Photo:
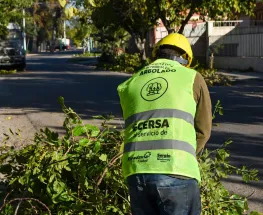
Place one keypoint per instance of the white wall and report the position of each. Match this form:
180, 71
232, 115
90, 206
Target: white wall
160, 32
243, 46
239, 63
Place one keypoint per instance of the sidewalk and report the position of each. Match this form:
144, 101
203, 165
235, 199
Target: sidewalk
239, 76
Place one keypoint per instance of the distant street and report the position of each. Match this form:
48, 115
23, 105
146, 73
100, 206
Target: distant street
28, 100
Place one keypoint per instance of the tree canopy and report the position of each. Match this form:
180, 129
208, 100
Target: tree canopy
137, 17
11, 10
117, 17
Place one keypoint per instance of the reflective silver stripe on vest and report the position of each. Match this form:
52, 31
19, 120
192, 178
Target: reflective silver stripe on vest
160, 113
159, 144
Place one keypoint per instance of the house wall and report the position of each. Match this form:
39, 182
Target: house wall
194, 31
236, 46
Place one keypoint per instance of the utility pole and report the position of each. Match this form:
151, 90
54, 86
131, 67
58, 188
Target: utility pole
65, 40
24, 30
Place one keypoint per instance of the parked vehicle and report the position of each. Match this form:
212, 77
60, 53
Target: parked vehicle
12, 54
60, 43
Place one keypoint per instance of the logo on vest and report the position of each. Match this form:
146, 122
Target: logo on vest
140, 158
154, 89
163, 157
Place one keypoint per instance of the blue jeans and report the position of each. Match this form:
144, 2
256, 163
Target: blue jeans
155, 194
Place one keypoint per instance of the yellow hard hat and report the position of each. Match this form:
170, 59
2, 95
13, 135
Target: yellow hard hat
177, 40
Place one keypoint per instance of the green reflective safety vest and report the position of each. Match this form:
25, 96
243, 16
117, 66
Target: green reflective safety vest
159, 108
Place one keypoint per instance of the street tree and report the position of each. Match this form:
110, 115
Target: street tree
44, 21
110, 33
11, 11
179, 12
135, 17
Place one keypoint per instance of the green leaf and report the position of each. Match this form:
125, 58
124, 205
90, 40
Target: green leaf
67, 168
30, 190
122, 147
98, 117
70, 12
84, 142
228, 142
103, 157
58, 186
78, 130
12, 181
93, 129
62, 3
97, 147
92, 2
52, 177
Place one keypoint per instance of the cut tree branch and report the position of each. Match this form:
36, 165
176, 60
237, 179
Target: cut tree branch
110, 164
26, 199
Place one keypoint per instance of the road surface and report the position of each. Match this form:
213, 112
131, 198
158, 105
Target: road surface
28, 101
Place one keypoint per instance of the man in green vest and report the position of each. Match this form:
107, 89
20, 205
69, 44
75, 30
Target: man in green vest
167, 112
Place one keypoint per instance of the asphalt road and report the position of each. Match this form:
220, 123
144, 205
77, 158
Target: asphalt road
28, 101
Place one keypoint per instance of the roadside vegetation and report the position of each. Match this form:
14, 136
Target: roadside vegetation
7, 72
87, 54
80, 172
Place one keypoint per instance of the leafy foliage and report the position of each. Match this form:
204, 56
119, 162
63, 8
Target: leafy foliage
213, 78
178, 12
129, 63
11, 10
216, 199
85, 55
134, 17
6, 72
137, 17
80, 173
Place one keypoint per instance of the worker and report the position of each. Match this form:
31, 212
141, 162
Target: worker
168, 119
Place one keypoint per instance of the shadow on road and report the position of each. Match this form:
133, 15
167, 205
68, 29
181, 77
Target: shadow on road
87, 91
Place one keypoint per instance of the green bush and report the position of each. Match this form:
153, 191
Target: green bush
211, 76
129, 63
80, 173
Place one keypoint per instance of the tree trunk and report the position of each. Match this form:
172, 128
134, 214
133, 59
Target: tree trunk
140, 43
27, 44
211, 61
184, 22
34, 45
170, 30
